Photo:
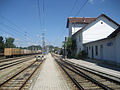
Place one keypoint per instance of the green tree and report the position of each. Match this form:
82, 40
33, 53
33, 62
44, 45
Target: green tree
53, 48
34, 47
9, 43
70, 46
1, 44
81, 55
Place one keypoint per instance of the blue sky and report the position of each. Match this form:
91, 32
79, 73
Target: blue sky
20, 19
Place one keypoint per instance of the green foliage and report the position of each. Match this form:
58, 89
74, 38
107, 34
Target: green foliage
1, 44
35, 47
69, 43
70, 46
54, 49
81, 55
61, 52
9, 43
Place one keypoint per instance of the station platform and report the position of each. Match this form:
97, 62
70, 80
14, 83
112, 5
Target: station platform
102, 68
50, 77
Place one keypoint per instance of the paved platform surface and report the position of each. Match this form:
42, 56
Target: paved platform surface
50, 77
96, 67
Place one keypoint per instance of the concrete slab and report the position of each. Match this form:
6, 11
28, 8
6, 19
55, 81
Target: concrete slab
50, 77
96, 67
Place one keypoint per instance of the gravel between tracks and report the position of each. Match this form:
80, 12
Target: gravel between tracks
5, 74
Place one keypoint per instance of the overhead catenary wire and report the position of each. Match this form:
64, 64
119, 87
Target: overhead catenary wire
81, 8
11, 28
60, 36
15, 34
15, 31
12, 35
44, 15
43, 31
73, 6
39, 13
19, 29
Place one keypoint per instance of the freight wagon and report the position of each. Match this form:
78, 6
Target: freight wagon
10, 52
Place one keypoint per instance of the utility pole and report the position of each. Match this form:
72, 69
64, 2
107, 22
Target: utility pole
43, 43
65, 48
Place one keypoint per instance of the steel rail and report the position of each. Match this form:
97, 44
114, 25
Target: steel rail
101, 74
12, 59
13, 64
104, 76
88, 70
73, 80
15, 75
8, 59
88, 78
30, 76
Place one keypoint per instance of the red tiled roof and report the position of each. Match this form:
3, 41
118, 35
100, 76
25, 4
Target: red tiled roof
79, 20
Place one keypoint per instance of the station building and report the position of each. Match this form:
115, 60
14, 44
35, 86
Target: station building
99, 37
105, 49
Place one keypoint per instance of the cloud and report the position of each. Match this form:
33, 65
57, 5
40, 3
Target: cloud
92, 1
7, 35
17, 39
38, 35
28, 39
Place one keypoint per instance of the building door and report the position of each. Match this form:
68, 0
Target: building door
92, 52
101, 51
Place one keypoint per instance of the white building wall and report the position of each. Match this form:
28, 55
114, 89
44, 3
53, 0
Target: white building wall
79, 44
98, 29
73, 28
118, 47
108, 52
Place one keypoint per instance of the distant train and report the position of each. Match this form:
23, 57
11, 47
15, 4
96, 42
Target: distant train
10, 52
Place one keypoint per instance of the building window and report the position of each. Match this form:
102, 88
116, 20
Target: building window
96, 49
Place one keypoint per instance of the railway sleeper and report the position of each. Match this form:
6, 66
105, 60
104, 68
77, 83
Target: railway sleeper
87, 77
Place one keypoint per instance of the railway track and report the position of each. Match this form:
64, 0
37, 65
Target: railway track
85, 79
11, 59
19, 80
13, 63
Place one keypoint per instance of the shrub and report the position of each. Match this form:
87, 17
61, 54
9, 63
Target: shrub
81, 55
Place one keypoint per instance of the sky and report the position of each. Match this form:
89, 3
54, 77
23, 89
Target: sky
25, 21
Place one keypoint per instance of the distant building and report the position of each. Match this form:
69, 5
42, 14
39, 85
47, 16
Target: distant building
85, 30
